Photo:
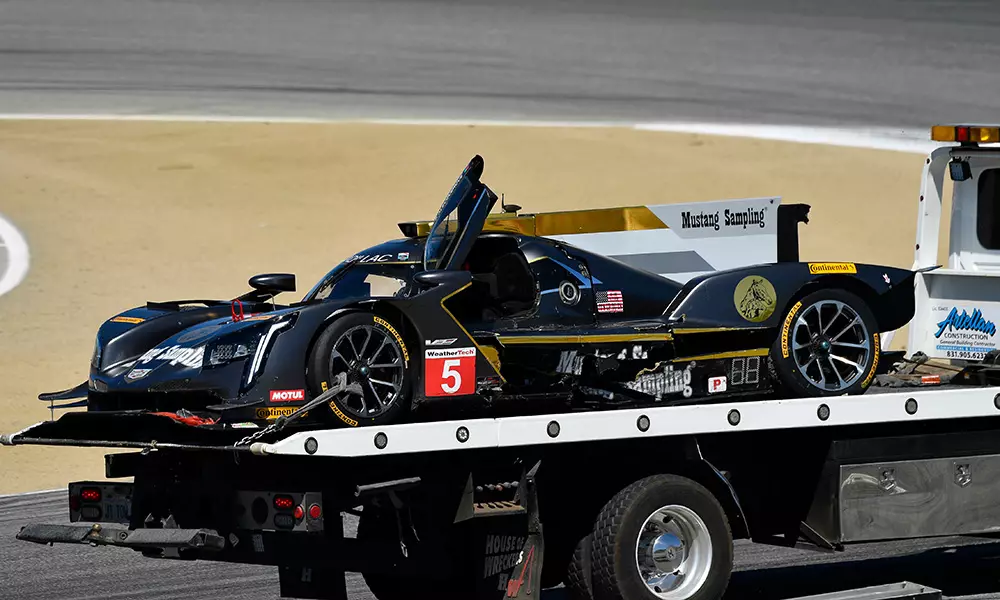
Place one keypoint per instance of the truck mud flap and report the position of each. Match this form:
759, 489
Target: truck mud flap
115, 535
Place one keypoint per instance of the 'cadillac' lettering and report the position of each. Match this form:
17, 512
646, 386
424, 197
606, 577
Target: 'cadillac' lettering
743, 218
370, 258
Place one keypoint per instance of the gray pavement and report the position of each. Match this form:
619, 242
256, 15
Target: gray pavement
959, 566
850, 62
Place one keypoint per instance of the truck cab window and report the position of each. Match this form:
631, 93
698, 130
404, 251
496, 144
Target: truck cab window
987, 211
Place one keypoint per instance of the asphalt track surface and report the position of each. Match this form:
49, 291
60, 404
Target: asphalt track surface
904, 63
958, 566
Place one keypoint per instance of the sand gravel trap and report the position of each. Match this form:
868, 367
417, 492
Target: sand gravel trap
118, 213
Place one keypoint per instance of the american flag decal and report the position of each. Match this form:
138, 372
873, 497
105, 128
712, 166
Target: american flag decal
610, 301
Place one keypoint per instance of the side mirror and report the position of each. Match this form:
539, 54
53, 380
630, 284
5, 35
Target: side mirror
451, 278
959, 170
273, 282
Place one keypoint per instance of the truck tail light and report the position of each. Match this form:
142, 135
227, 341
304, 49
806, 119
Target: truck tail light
284, 502
90, 513
90, 494
315, 512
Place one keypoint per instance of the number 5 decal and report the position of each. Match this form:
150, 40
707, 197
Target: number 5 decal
450, 372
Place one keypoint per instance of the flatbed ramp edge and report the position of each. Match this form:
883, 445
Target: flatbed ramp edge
889, 407
876, 407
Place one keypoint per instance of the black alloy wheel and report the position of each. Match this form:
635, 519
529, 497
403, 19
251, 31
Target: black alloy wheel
374, 355
828, 345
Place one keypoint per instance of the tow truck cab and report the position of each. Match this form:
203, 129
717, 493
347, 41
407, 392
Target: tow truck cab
958, 306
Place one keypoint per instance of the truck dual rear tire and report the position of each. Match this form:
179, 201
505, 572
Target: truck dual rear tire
579, 583
663, 537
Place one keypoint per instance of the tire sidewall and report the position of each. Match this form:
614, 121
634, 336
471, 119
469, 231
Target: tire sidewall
319, 378
657, 495
578, 579
787, 372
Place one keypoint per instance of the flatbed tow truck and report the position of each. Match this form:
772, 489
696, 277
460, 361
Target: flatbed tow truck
620, 504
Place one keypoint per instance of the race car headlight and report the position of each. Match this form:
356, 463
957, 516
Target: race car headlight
225, 353
244, 345
95, 359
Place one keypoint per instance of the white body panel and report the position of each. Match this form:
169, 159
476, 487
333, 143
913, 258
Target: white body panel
686, 250
957, 307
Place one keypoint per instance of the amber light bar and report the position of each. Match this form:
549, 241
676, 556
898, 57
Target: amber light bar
977, 134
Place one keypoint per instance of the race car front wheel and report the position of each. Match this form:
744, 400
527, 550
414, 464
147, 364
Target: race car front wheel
828, 345
374, 355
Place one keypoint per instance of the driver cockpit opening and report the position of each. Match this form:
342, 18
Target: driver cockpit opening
502, 282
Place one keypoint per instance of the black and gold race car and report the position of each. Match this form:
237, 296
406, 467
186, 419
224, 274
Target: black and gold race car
485, 312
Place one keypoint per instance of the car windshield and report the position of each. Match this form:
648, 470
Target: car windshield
450, 218
353, 279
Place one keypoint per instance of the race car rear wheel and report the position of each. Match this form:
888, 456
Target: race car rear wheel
374, 355
828, 345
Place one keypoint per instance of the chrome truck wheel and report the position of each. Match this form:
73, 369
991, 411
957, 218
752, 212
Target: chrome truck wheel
663, 538
674, 552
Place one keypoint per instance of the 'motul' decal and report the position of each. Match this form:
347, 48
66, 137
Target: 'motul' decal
287, 395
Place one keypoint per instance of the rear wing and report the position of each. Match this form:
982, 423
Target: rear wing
679, 241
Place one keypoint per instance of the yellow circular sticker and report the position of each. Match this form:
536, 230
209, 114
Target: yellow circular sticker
755, 298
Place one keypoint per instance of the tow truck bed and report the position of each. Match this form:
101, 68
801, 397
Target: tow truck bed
879, 406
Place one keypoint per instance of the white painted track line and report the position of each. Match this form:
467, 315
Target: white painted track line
35, 493
876, 138
18, 257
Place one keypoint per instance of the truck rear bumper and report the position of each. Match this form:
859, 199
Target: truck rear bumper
118, 535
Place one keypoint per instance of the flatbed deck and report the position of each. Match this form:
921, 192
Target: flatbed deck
881, 405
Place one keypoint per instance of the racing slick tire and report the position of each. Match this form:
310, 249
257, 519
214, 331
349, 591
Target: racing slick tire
373, 353
578, 581
663, 536
828, 345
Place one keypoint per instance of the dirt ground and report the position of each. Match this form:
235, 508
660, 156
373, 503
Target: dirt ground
118, 213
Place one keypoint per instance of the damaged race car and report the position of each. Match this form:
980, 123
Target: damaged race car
480, 313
